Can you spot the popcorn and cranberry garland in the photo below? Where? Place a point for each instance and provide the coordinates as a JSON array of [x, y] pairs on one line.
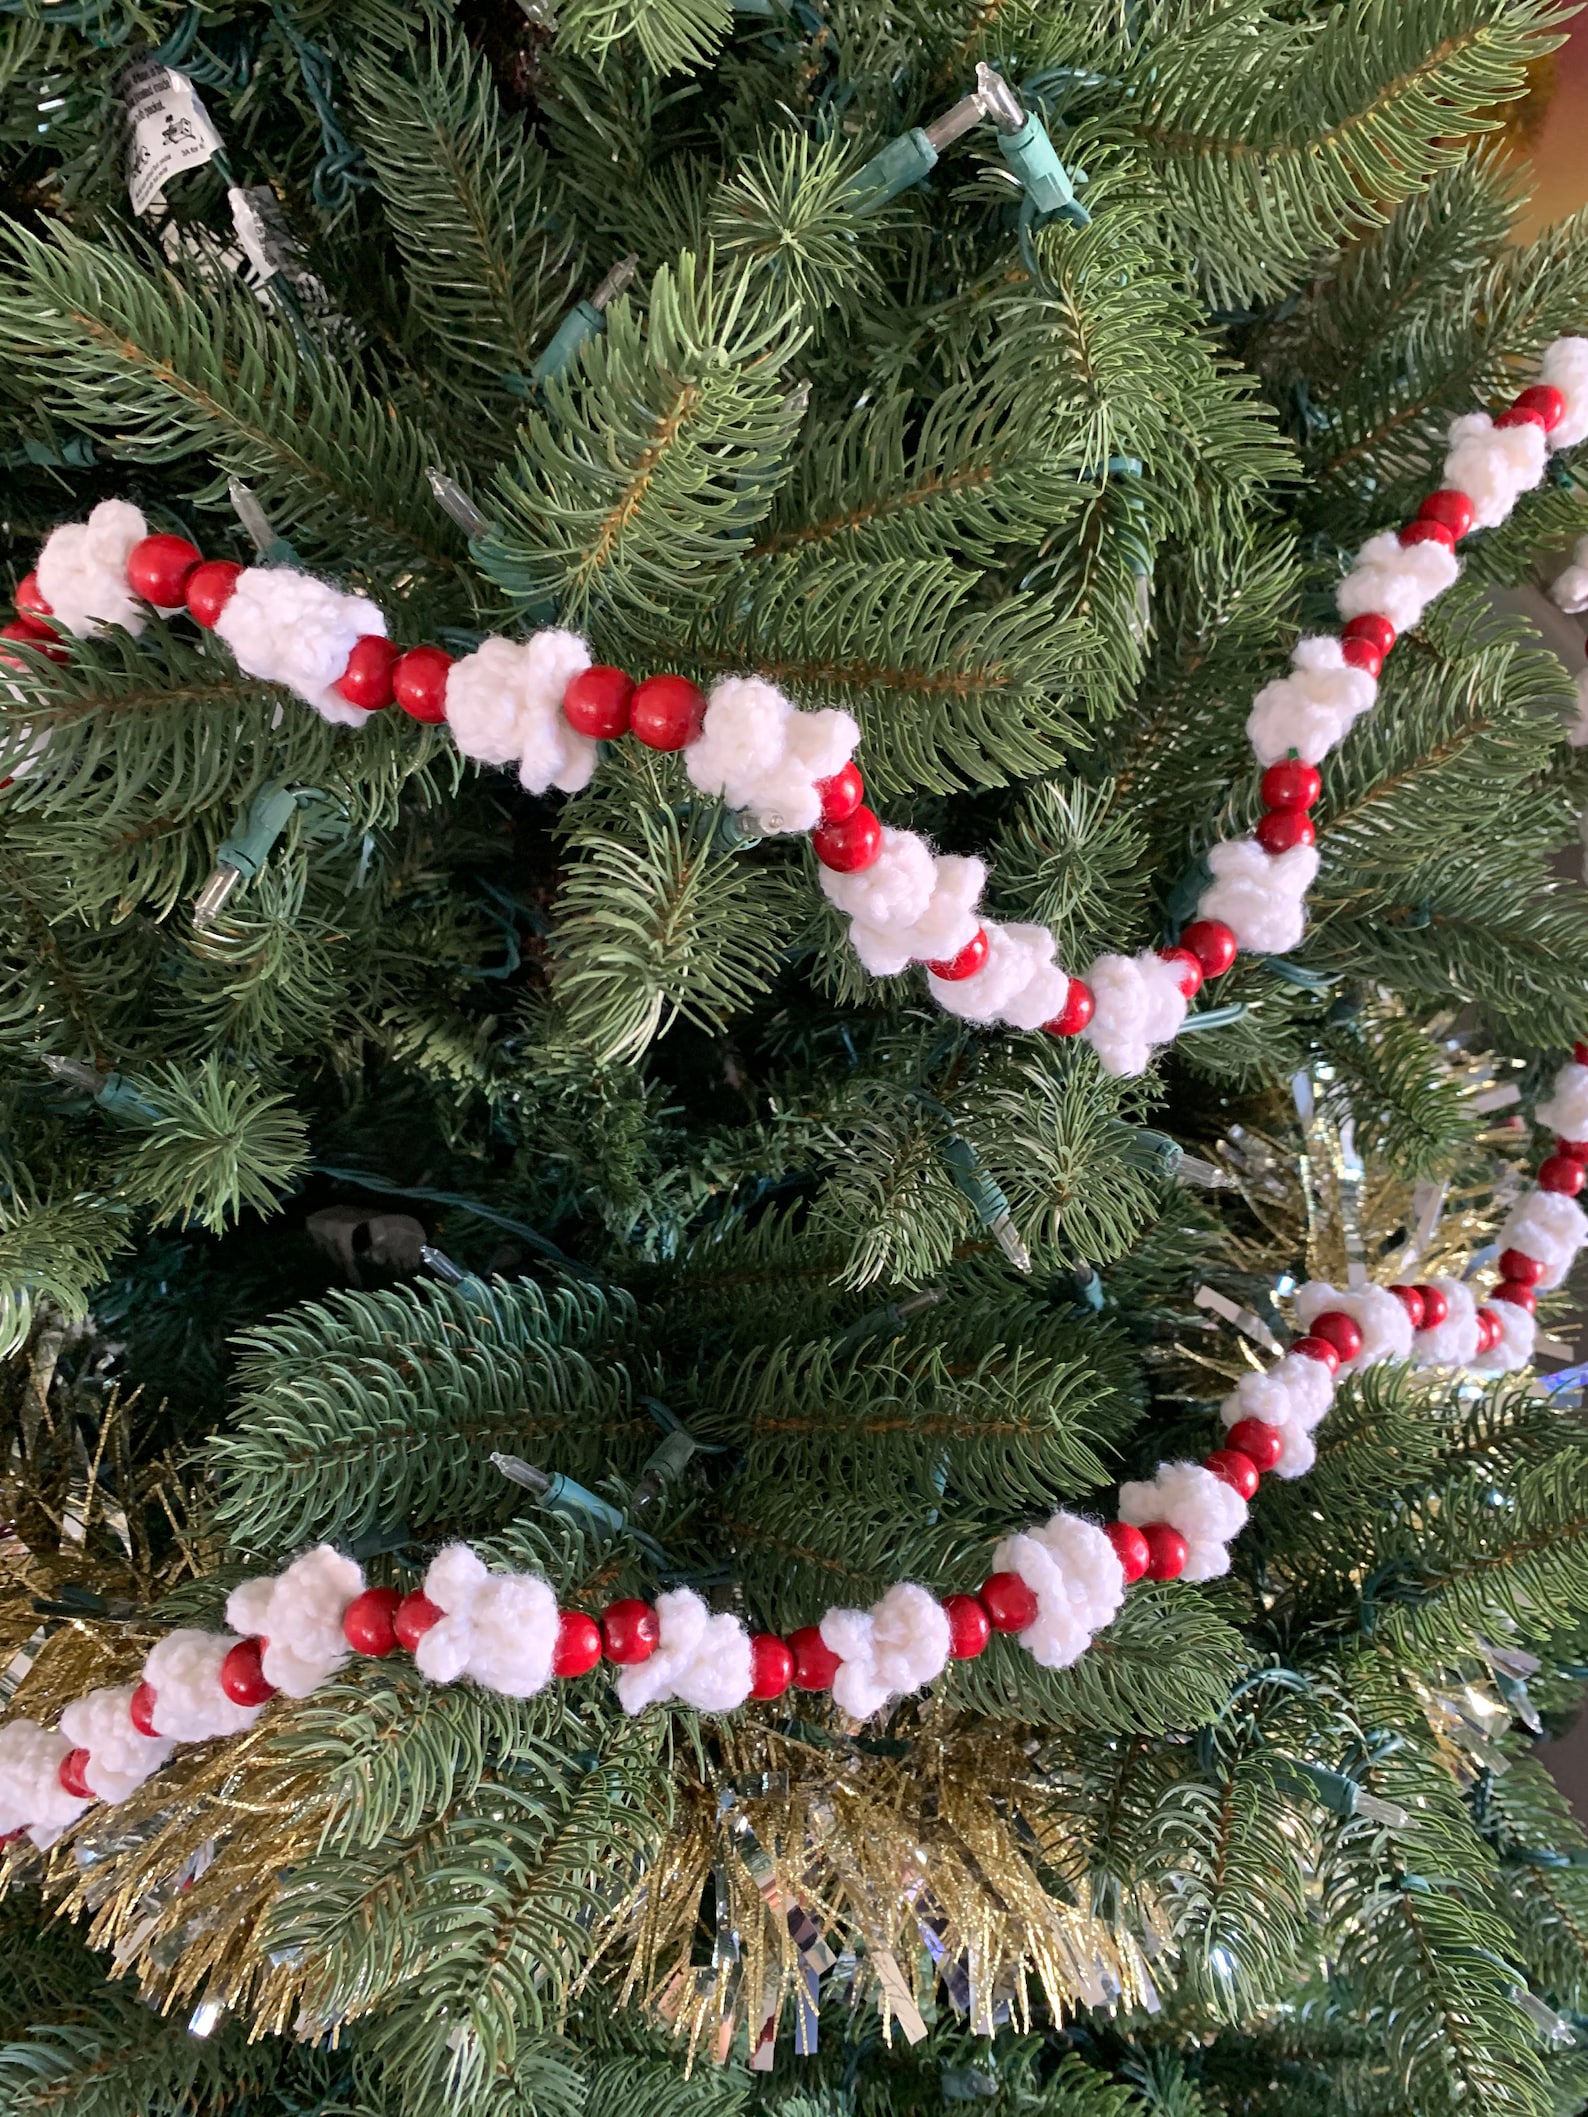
[[540, 704], [1054, 1585]]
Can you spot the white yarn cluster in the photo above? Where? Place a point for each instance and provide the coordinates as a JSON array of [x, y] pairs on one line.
[[288, 628], [1565, 368], [1494, 465], [1261, 897], [1385, 1326], [500, 1629], [1292, 1397], [1397, 580], [298, 1615], [909, 906], [1020, 984], [1311, 709], [1207, 1512], [1072, 1569], [119, 1757], [759, 752], [893, 1648], [1139, 1005], [1514, 1349], [82, 571], [504, 706], [1453, 1343], [1549, 1226], [1569, 589], [1565, 1109], [32, 1797], [184, 1672], [703, 1659]]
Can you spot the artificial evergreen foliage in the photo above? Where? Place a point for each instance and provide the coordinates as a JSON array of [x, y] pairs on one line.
[[550, 1174]]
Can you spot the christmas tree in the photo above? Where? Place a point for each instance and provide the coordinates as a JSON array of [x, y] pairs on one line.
[[782, 1322]]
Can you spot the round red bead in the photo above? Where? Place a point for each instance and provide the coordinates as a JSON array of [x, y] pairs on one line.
[[815, 1663], [1518, 1266], [1212, 943], [140, 1709], [842, 794], [366, 681], [969, 1626], [1009, 1603], [1281, 829], [1188, 967], [1130, 1548], [1518, 1295], [1260, 1443], [158, 569], [1167, 1551], [966, 964], [242, 1677], [1546, 400], [209, 590], [30, 600], [597, 702], [1372, 627], [666, 712], [33, 636], [1579, 1054], [771, 1665], [70, 1773], [419, 683], [631, 1632], [368, 1622], [1361, 654], [416, 1613], [1573, 1149], [1312, 1348], [30, 628], [1436, 1306], [1341, 1331], [1291, 784], [1410, 1299], [850, 844], [1423, 531], [1076, 1012], [1561, 1173], [1233, 1467], [578, 1647], [1489, 1328], [1452, 508], [1520, 414]]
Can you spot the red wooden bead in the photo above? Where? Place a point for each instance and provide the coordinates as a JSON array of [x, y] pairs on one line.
[[771, 1665], [1167, 1551], [1573, 1149], [1452, 508], [666, 712], [30, 600], [1489, 1328], [1311, 1348], [1374, 628], [1291, 784], [1212, 943], [1280, 829], [1340, 1330], [1361, 654], [366, 681], [1423, 531], [33, 636], [140, 1709], [1130, 1548], [416, 1613], [158, 569], [597, 702], [242, 1678], [1520, 414], [1517, 1265], [1518, 1295], [1189, 968], [966, 964], [1009, 1603], [969, 1626], [1076, 1012], [1260, 1443], [419, 683], [1546, 400], [815, 1663], [1579, 1054], [1234, 1468], [367, 1622], [578, 1647], [25, 626], [1410, 1299], [842, 794], [70, 1774], [1561, 1173], [850, 844], [1436, 1306], [631, 1632], [209, 590]]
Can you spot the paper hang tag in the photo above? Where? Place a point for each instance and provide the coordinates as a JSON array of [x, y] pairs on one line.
[[169, 130], [262, 230]]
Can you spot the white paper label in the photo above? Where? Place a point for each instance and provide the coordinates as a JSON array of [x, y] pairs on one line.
[[169, 130]]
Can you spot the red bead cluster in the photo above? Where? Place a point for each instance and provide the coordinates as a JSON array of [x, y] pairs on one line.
[[31, 626]]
